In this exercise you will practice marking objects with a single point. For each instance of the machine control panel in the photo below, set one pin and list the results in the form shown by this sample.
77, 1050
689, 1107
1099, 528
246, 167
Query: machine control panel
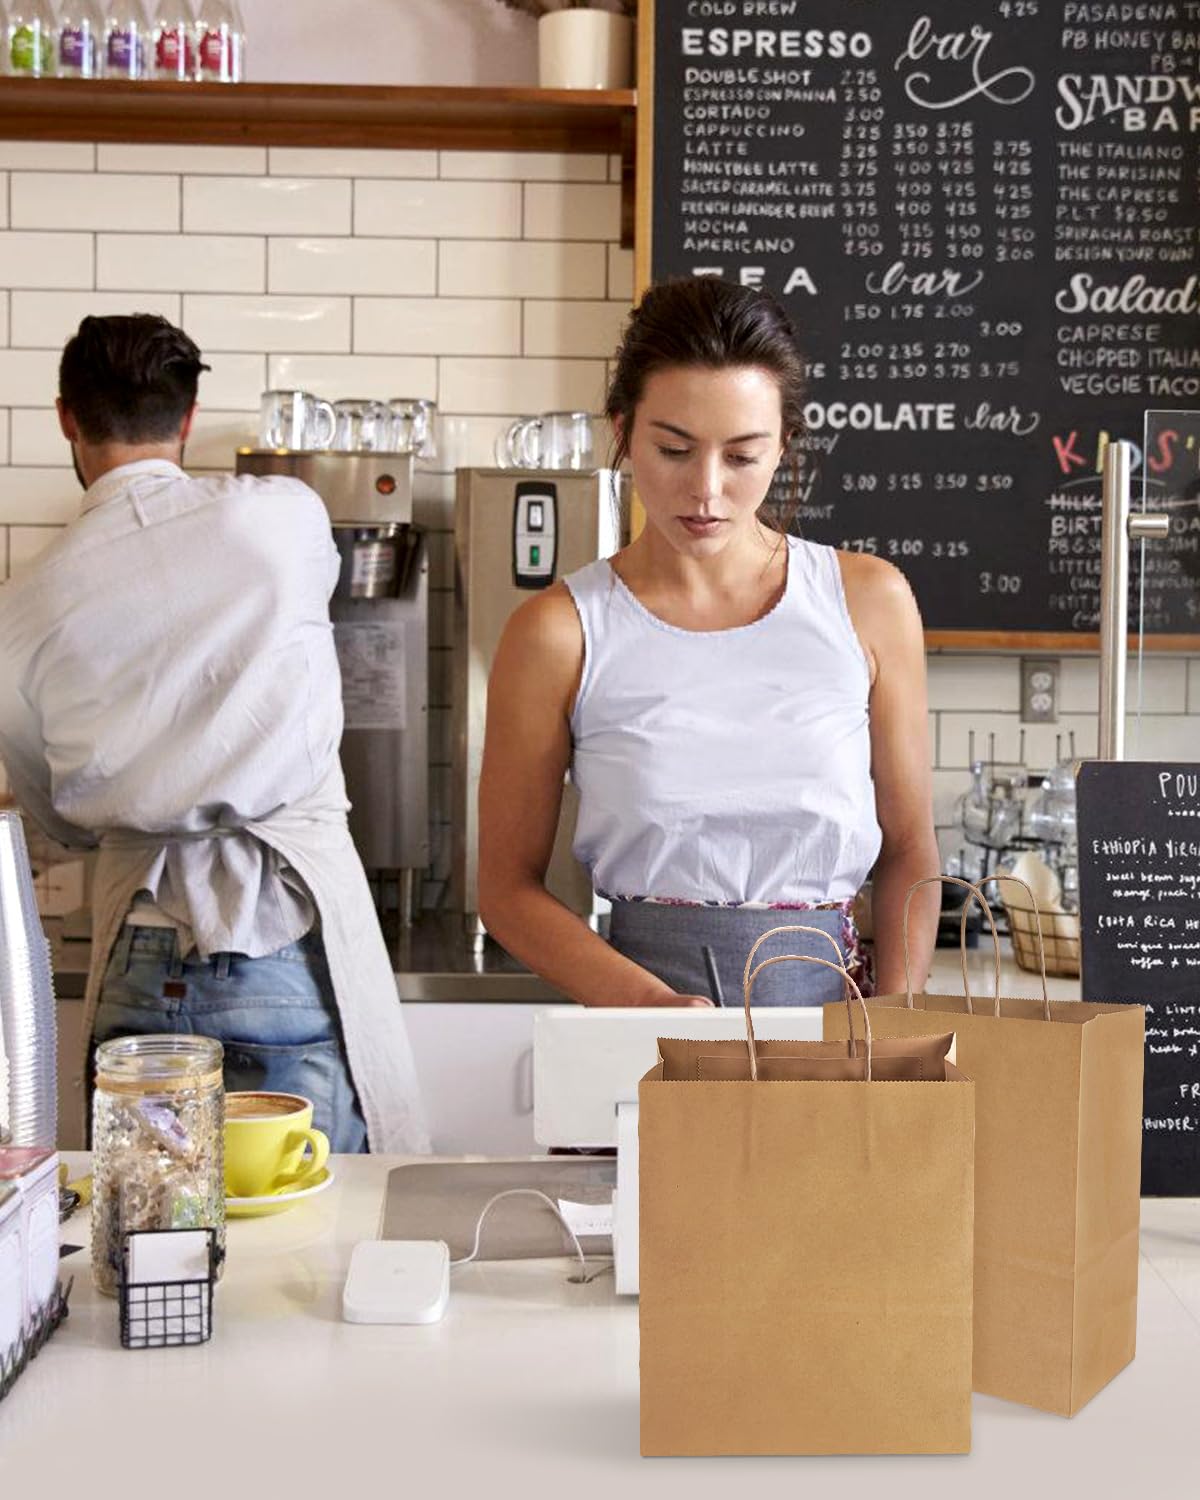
535, 534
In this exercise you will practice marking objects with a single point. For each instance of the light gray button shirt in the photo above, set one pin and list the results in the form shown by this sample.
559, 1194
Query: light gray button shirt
167, 669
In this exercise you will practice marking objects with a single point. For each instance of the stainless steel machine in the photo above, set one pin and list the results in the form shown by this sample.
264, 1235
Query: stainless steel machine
380, 612
515, 531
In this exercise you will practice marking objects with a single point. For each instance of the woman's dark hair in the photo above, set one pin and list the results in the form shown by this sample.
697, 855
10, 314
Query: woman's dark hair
129, 379
704, 322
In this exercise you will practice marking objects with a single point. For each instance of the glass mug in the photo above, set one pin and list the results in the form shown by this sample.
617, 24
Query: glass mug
555, 440
361, 425
414, 425
294, 419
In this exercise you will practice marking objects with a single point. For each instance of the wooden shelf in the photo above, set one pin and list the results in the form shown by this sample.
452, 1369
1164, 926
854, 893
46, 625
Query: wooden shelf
287, 114
1038, 640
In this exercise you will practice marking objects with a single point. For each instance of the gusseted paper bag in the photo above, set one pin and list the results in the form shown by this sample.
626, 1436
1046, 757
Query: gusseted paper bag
806, 1244
1057, 1182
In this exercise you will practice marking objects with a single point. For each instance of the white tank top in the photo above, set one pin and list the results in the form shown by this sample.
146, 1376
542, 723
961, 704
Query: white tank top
729, 766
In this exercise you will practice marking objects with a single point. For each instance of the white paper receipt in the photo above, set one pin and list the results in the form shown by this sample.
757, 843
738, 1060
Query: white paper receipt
588, 1218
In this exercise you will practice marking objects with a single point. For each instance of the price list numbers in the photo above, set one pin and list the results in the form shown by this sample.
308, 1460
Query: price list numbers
1012, 201
937, 202
859, 162
993, 356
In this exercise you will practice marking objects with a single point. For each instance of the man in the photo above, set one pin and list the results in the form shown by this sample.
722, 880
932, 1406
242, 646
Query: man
169, 693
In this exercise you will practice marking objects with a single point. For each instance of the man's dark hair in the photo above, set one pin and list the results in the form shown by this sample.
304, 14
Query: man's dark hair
129, 379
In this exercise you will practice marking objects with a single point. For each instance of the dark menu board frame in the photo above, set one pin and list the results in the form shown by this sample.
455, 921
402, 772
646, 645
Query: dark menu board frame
1139, 898
984, 221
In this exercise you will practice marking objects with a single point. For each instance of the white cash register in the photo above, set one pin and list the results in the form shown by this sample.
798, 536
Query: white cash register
587, 1062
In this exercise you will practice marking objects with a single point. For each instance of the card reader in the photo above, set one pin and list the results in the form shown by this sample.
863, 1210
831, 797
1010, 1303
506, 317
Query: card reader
397, 1281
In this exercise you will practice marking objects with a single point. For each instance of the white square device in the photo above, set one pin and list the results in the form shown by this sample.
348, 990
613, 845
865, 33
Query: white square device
397, 1281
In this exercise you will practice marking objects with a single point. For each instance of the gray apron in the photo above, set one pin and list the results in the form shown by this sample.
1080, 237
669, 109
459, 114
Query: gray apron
669, 941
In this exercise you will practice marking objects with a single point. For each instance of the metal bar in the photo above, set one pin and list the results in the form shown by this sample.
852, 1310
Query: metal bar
1144, 528
1114, 598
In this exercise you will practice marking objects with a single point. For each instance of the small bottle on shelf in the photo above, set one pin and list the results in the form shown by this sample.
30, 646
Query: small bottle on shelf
81, 40
29, 39
175, 41
220, 42
127, 40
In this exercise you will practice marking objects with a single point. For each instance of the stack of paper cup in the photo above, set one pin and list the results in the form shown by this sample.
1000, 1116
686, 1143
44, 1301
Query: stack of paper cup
28, 1030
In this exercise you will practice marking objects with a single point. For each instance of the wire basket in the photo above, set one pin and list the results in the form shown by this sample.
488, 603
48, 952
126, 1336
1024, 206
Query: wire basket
163, 1314
1060, 936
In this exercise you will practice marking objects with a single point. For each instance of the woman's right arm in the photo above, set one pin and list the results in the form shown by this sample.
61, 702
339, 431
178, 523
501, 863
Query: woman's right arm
527, 749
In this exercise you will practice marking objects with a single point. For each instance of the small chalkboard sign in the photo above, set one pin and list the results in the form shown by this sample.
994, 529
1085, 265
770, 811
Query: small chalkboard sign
1139, 897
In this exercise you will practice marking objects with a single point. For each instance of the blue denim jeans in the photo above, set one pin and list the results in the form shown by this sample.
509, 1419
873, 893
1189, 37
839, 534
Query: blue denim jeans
275, 1016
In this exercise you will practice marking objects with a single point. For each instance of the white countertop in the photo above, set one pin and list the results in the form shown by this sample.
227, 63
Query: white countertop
529, 1386
946, 978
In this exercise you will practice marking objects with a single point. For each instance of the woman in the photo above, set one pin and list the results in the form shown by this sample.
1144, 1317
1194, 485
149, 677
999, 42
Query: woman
743, 713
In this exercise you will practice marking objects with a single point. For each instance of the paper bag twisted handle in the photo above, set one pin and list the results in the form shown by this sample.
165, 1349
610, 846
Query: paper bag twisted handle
815, 932
848, 985
1016, 880
975, 894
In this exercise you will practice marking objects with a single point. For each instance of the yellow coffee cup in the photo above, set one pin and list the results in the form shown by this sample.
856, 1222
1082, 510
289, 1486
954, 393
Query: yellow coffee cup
266, 1138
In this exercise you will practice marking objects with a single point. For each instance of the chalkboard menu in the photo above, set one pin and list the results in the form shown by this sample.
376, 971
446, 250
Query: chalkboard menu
983, 219
1139, 896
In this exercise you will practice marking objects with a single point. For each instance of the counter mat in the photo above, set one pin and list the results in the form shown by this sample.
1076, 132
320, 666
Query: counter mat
443, 1201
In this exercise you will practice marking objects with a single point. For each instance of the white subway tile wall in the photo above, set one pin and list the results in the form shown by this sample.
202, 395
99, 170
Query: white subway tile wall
179, 262
437, 325
525, 166
305, 161
276, 324
93, 200
65, 261
329, 263
250, 160
47, 156
425, 209
520, 268
37, 440
572, 211
266, 205
493, 282
586, 330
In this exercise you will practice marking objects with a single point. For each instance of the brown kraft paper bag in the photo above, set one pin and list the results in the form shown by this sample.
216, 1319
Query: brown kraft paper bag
805, 1251
1057, 1180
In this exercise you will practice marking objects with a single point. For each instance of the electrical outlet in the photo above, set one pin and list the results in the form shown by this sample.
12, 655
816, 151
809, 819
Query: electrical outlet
1039, 690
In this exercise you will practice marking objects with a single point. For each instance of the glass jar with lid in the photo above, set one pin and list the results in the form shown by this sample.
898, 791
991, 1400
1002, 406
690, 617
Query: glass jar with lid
158, 1117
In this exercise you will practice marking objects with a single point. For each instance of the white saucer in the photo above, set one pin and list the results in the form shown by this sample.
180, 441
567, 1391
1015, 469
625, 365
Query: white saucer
276, 1203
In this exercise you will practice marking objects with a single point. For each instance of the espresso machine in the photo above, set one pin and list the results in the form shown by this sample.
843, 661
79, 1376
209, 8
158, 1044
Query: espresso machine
515, 531
380, 613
